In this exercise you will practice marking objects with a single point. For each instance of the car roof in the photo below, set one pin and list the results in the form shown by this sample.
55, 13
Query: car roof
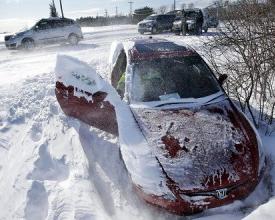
153, 48
56, 19
193, 9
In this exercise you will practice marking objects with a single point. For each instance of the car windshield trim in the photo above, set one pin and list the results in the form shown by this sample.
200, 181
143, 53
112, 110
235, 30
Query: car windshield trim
216, 97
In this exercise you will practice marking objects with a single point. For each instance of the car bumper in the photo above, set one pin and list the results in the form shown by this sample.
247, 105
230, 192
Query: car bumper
11, 46
144, 29
192, 203
176, 28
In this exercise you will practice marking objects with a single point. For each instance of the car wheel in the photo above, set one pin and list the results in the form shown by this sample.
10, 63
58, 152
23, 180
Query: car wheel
154, 30
28, 44
177, 32
73, 39
205, 30
199, 31
141, 32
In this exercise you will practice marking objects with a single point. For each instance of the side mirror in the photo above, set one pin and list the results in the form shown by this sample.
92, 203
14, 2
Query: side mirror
222, 79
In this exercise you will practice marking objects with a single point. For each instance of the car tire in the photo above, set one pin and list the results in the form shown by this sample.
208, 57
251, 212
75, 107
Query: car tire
198, 31
177, 32
141, 32
28, 44
73, 39
154, 30
205, 30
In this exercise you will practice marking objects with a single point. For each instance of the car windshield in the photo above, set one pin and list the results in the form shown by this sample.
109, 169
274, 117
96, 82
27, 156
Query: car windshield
172, 79
151, 18
191, 14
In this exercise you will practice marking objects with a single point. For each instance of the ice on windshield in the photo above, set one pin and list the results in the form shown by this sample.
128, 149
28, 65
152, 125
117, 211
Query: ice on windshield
188, 77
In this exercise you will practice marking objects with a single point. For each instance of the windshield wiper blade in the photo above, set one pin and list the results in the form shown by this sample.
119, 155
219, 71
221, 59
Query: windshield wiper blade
172, 103
211, 100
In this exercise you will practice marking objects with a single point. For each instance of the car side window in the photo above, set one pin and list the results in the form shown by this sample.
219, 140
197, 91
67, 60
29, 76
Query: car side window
67, 22
43, 25
57, 24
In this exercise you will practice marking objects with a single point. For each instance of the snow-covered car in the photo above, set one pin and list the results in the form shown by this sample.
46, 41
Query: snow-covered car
46, 31
185, 145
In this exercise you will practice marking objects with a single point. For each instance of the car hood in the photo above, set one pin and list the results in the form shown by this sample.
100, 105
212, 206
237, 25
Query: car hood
146, 22
21, 33
204, 148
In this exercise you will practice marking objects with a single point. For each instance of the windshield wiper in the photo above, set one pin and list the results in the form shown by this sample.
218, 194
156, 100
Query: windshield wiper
211, 100
172, 103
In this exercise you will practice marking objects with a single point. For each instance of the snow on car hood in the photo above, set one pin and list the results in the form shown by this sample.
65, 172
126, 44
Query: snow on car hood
195, 147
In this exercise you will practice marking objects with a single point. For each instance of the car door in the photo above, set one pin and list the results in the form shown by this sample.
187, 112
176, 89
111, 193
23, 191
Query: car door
43, 32
161, 22
58, 30
81, 93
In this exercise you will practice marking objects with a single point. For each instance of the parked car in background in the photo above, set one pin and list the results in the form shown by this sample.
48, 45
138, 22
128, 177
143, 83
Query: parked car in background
190, 21
46, 31
156, 23
212, 22
184, 143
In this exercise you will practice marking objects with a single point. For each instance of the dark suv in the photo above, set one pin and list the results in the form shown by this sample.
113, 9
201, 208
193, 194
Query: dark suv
46, 31
156, 23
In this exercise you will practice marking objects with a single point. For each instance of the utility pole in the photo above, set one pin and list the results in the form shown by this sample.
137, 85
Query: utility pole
131, 8
116, 12
106, 13
174, 5
60, 1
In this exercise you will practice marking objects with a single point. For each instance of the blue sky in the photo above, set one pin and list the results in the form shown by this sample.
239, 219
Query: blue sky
34, 9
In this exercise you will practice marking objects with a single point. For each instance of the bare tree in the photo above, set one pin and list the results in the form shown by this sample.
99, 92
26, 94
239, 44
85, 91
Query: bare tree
162, 9
183, 6
53, 11
245, 50
191, 5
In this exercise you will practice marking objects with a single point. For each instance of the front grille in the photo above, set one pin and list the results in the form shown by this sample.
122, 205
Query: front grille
219, 193
7, 37
11, 46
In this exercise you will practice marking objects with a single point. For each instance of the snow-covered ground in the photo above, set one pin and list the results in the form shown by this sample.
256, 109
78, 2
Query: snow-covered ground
55, 167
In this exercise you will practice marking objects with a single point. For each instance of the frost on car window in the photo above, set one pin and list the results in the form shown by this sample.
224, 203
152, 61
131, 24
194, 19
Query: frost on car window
189, 77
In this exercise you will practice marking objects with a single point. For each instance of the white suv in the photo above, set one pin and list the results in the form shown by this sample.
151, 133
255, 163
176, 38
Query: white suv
46, 31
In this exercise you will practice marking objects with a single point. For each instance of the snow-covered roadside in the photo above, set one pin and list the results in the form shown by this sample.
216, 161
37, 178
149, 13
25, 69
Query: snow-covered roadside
54, 167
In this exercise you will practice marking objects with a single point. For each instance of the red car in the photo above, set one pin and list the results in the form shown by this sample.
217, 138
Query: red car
186, 146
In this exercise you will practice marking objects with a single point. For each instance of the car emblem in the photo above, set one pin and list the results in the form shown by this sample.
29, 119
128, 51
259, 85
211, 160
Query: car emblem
221, 193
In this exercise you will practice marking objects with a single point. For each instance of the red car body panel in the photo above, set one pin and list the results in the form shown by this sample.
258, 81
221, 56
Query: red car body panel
97, 113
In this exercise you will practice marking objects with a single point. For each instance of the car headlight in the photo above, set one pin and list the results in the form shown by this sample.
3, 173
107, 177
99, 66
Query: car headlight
177, 23
149, 24
190, 22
